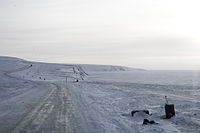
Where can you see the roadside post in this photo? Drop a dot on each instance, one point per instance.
(169, 109)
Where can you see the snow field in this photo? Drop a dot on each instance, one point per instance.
(100, 102)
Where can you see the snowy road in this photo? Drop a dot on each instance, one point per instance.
(53, 114)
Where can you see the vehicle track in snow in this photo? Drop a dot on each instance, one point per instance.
(8, 73)
(53, 114)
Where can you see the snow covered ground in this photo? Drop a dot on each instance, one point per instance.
(44, 97)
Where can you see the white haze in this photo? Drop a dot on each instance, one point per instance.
(150, 34)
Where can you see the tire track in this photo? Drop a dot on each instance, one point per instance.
(54, 114)
(49, 116)
(27, 120)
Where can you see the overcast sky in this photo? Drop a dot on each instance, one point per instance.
(150, 34)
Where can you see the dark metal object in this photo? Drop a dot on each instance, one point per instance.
(169, 110)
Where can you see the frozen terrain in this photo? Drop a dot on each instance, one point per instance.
(44, 97)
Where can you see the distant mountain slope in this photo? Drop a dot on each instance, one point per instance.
(52, 71)
(9, 61)
(107, 68)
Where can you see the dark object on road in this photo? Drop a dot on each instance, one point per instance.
(77, 80)
(44, 78)
(134, 111)
(40, 78)
(146, 121)
(169, 110)
(31, 65)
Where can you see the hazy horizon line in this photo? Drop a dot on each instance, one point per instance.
(72, 63)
